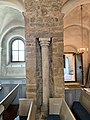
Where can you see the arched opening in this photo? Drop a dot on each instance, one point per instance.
(73, 36)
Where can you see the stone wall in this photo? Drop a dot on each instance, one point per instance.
(57, 58)
(39, 73)
(43, 19)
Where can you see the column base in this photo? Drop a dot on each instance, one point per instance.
(44, 112)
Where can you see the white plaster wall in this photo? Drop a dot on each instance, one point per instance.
(12, 25)
(16, 4)
(73, 35)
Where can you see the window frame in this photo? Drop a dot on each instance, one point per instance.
(74, 67)
(10, 48)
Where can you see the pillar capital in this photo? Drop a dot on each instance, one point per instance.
(44, 41)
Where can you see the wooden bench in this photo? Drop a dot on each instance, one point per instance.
(27, 109)
(8, 100)
(80, 112)
(59, 108)
(81, 108)
(53, 117)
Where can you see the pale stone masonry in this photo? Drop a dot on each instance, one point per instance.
(45, 42)
(43, 19)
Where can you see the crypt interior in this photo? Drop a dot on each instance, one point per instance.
(45, 48)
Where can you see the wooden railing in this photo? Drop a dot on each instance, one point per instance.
(27, 108)
(8, 100)
(58, 106)
(85, 99)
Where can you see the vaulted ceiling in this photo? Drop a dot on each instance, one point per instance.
(74, 17)
(11, 16)
(11, 13)
(16, 4)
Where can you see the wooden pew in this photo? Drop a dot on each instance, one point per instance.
(58, 106)
(81, 108)
(8, 100)
(85, 99)
(27, 109)
(10, 97)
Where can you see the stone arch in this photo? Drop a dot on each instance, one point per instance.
(15, 5)
(78, 25)
(11, 29)
(74, 38)
(70, 48)
(70, 5)
(16, 31)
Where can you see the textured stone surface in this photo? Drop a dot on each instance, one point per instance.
(44, 43)
(43, 19)
(39, 74)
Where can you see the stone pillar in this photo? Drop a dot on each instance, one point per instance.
(89, 47)
(44, 20)
(44, 42)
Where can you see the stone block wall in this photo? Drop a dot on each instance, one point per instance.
(31, 68)
(57, 59)
(39, 80)
(43, 19)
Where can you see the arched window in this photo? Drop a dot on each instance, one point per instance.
(17, 51)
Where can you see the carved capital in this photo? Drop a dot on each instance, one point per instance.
(44, 41)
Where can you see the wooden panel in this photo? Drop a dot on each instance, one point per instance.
(85, 100)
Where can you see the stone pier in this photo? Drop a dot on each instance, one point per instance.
(44, 52)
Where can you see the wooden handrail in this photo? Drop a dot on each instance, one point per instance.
(10, 97)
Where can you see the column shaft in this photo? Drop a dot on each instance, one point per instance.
(45, 74)
(44, 42)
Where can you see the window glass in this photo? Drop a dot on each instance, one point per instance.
(15, 45)
(14, 55)
(21, 45)
(17, 51)
(69, 67)
(21, 55)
